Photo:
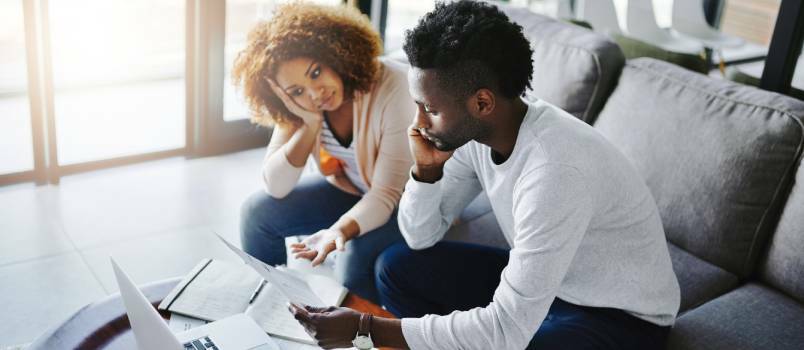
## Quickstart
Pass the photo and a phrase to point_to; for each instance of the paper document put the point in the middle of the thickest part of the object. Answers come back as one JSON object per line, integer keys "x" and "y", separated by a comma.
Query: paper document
{"x": 216, "y": 287}
{"x": 273, "y": 315}
{"x": 291, "y": 287}
{"x": 214, "y": 290}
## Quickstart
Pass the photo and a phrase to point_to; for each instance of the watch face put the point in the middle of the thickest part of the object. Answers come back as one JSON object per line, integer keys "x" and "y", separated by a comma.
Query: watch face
{"x": 363, "y": 342}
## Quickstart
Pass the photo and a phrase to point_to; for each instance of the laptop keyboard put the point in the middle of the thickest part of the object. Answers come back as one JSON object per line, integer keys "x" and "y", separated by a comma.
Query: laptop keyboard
{"x": 203, "y": 343}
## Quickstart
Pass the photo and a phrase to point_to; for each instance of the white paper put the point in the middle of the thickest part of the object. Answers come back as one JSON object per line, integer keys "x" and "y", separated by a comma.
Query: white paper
{"x": 221, "y": 290}
{"x": 286, "y": 344}
{"x": 293, "y": 288}
{"x": 270, "y": 311}
{"x": 326, "y": 288}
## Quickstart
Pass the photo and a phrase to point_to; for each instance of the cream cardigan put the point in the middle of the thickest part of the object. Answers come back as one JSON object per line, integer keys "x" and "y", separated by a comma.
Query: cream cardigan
{"x": 381, "y": 118}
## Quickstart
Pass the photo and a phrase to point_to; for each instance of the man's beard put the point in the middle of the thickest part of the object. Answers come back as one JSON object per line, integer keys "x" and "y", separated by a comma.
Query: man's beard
{"x": 469, "y": 129}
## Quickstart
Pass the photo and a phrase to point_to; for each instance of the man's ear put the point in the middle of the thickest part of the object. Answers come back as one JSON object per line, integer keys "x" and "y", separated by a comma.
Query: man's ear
{"x": 482, "y": 103}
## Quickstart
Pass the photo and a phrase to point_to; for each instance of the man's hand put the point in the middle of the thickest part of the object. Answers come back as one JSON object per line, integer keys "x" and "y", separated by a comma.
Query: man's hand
{"x": 332, "y": 327}
{"x": 317, "y": 246}
{"x": 428, "y": 160}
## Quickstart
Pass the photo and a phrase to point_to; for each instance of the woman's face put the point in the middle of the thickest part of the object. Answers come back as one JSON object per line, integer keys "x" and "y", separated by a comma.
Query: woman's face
{"x": 311, "y": 84}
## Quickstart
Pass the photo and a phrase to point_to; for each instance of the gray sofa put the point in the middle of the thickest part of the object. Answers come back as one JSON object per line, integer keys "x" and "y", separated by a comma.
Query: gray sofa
{"x": 721, "y": 160}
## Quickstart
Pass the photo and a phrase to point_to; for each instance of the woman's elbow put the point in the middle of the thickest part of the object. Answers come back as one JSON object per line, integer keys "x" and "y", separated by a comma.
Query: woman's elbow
{"x": 273, "y": 190}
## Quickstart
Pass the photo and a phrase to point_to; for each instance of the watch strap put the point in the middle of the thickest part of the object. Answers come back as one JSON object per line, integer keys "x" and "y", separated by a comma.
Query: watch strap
{"x": 364, "y": 327}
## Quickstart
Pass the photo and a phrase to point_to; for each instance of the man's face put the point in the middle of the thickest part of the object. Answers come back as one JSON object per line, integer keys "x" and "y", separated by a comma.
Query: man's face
{"x": 440, "y": 118}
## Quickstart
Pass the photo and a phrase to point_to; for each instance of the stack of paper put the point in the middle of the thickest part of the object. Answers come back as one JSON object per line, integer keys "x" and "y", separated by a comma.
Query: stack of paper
{"x": 216, "y": 289}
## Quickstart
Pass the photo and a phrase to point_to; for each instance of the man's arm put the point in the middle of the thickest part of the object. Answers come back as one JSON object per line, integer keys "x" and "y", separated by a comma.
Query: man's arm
{"x": 552, "y": 209}
{"x": 424, "y": 214}
{"x": 427, "y": 210}
{"x": 336, "y": 327}
{"x": 387, "y": 332}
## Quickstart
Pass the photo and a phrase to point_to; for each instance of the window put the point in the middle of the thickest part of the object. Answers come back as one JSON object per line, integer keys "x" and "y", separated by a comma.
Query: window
{"x": 118, "y": 73}
{"x": 15, "y": 118}
{"x": 403, "y": 15}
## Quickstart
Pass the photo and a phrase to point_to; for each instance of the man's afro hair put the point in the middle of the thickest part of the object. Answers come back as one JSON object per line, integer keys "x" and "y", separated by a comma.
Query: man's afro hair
{"x": 472, "y": 45}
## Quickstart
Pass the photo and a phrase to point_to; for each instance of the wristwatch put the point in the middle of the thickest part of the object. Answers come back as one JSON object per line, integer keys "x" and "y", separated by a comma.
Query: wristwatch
{"x": 363, "y": 338}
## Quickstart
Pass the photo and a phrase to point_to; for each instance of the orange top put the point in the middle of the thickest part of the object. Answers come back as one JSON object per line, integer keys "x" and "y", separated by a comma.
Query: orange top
{"x": 328, "y": 164}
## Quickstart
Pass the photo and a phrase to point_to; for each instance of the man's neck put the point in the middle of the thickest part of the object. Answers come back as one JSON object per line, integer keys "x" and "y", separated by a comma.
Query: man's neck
{"x": 503, "y": 132}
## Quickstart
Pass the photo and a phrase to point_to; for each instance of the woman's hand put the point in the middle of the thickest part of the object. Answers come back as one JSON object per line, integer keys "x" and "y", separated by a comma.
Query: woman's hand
{"x": 317, "y": 246}
{"x": 308, "y": 117}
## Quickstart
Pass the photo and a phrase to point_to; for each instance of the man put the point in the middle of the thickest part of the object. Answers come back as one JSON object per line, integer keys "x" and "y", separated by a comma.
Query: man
{"x": 588, "y": 265}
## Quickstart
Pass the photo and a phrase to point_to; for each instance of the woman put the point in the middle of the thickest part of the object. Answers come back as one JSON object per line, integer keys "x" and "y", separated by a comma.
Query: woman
{"x": 313, "y": 72}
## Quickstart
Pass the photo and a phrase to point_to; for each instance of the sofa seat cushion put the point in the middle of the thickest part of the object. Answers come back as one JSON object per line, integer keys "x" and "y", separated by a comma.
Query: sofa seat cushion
{"x": 699, "y": 280}
{"x": 718, "y": 157}
{"x": 750, "y": 317}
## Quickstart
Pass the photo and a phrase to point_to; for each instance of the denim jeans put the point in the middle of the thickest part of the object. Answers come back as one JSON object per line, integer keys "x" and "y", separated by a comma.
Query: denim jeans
{"x": 459, "y": 276}
{"x": 314, "y": 204}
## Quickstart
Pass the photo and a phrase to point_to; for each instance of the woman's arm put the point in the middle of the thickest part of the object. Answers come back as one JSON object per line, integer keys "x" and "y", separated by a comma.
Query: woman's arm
{"x": 347, "y": 226}
{"x": 392, "y": 164}
{"x": 390, "y": 118}
{"x": 298, "y": 148}
{"x": 289, "y": 147}
{"x": 391, "y": 167}
{"x": 286, "y": 155}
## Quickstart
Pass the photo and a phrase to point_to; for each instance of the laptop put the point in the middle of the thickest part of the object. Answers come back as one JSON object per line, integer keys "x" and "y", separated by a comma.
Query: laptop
{"x": 238, "y": 332}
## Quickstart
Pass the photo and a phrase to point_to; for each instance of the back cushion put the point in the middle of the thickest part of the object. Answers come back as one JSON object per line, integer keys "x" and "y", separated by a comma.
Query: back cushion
{"x": 573, "y": 68}
{"x": 717, "y": 156}
{"x": 784, "y": 266}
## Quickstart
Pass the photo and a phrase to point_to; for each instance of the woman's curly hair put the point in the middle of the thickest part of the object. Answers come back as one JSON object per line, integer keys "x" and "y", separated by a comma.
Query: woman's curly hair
{"x": 337, "y": 36}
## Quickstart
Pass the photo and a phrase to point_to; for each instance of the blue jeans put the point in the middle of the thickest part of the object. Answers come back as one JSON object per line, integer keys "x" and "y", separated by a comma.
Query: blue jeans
{"x": 460, "y": 276}
{"x": 313, "y": 205}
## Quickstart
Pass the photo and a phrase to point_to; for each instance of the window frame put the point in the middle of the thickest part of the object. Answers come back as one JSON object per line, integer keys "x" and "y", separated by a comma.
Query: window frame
{"x": 207, "y": 133}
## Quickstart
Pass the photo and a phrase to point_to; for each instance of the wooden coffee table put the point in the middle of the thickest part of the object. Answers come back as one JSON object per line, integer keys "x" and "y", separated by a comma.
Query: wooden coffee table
{"x": 104, "y": 324}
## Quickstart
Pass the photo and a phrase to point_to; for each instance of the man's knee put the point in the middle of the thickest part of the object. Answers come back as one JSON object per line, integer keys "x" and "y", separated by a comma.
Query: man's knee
{"x": 392, "y": 263}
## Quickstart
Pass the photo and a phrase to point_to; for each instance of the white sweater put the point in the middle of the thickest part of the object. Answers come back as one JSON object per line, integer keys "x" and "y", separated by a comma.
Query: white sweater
{"x": 581, "y": 222}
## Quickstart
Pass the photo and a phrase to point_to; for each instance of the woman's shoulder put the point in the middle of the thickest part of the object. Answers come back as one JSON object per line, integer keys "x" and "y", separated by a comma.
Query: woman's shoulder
{"x": 393, "y": 76}
{"x": 389, "y": 98}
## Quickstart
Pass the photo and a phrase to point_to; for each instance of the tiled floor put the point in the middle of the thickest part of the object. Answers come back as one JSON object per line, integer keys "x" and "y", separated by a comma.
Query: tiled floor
{"x": 157, "y": 219}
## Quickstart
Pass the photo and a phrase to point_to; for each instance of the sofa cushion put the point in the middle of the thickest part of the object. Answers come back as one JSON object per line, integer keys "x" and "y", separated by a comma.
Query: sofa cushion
{"x": 783, "y": 267}
{"x": 574, "y": 68}
{"x": 699, "y": 280}
{"x": 750, "y": 317}
{"x": 634, "y": 48}
{"x": 717, "y": 156}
